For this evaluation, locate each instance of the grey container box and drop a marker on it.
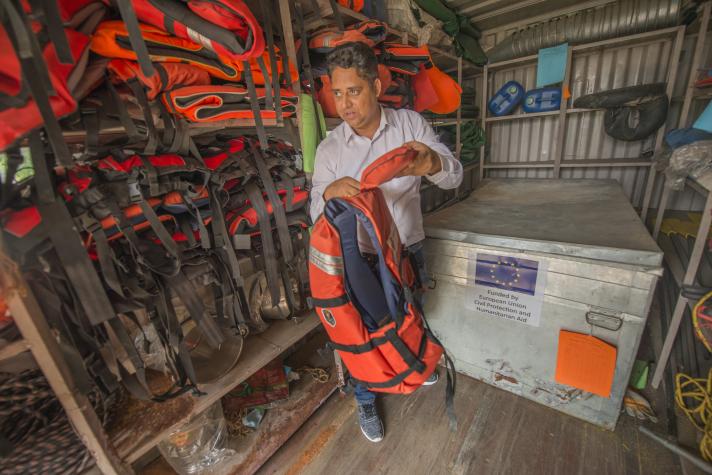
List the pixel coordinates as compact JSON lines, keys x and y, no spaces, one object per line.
{"x":599,"y":266}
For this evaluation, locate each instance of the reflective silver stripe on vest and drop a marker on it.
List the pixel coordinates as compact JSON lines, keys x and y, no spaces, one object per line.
{"x":332,"y":265}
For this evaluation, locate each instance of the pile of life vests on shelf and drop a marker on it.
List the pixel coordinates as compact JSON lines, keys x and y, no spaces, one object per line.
{"x":149,"y":248}
{"x":409,"y":79}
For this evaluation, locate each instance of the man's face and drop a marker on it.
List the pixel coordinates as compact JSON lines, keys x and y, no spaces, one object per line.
{"x":356,"y":99}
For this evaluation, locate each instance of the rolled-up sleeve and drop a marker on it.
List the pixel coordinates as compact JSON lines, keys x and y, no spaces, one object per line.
{"x":450,"y":176}
{"x":324,"y":175}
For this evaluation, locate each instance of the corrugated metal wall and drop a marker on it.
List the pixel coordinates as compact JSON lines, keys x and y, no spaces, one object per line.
{"x":532,"y":140}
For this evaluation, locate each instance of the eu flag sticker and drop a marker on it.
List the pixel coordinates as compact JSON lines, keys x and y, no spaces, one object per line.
{"x":507,"y":273}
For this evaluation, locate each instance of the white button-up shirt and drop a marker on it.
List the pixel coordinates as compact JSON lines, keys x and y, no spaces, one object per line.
{"x":344,"y":153}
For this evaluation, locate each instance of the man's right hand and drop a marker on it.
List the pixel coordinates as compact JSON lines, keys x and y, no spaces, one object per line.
{"x":342,"y":188}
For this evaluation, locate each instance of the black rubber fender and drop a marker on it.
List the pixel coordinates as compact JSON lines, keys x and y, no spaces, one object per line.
{"x":651,"y":115}
{"x":621,"y":96}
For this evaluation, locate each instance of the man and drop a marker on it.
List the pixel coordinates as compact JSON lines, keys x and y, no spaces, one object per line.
{"x":369,"y":131}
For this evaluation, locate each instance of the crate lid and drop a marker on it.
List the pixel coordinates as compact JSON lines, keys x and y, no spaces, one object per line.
{"x":583,"y":218}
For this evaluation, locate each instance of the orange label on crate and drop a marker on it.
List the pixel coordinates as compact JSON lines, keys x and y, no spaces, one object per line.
{"x":585,"y":362}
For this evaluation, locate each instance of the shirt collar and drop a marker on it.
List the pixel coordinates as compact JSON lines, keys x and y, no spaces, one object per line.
{"x":385,"y":120}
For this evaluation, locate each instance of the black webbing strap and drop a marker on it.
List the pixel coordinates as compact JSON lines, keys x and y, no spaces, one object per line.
{"x":194,"y":211}
{"x":268,"y":250}
{"x":185,"y":290}
{"x":255,"y":105}
{"x":103,"y":251}
{"x":449,"y":369}
{"x":53,"y":20}
{"x":306,"y":66}
{"x":66,"y":240}
{"x":165,"y":319}
{"x":112,"y":97}
{"x":140,"y":94}
{"x":286,"y":76}
{"x":90,"y":120}
{"x":337,"y":15}
{"x":415,"y":364}
{"x":332,"y":302}
{"x":34,"y":74}
{"x":280,"y":216}
{"x":274,"y":77}
{"x":269,"y":96}
{"x":224,"y":247}
{"x":170,"y":246}
{"x":135,"y":38}
{"x":169,"y":128}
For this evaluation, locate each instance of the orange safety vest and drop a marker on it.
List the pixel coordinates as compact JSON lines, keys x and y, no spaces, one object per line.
{"x":398,"y":353}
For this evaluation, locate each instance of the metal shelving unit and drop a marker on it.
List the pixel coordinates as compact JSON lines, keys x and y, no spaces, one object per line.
{"x":703,"y":186}
{"x":114,"y":451}
{"x":673,"y":34}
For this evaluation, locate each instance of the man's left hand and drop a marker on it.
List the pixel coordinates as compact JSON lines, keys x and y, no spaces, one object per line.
{"x":427,"y":162}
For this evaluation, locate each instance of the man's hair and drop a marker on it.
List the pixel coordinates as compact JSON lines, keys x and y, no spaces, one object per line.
{"x":354,"y":55}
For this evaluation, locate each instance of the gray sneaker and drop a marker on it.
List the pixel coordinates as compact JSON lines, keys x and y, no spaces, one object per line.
{"x":370,"y":423}
{"x":432,"y":379}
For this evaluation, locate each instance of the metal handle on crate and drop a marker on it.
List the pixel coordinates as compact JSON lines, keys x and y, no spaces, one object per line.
{"x":604,"y":320}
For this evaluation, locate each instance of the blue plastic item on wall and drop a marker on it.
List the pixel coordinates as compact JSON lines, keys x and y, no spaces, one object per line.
{"x":542,"y":100}
{"x":506,"y":99}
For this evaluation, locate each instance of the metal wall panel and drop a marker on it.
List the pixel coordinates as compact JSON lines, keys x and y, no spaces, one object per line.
{"x":532,"y":140}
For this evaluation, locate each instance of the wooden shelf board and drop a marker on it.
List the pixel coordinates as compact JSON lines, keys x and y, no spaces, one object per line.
{"x":141,"y":425}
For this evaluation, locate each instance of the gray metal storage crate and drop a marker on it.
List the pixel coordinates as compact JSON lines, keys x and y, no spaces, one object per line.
{"x":581,"y":260}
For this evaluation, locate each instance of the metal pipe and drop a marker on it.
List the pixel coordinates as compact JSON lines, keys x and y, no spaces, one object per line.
{"x":624,"y":17}
{"x":692,"y":458}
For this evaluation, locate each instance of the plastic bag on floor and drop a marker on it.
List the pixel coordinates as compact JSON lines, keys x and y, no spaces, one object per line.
{"x":200,"y":445}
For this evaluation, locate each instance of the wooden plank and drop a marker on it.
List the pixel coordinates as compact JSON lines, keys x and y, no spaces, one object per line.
{"x":483,"y":119}
{"x":30,"y":321}
{"x":140,"y":425}
{"x":285,"y":15}
{"x":13,"y":349}
{"x":560,"y":138}
{"x":682,"y":301}
{"x":696,"y":63}
{"x":279,"y":424}
{"x":498,"y":433}
{"x":671,"y":77}
{"x":532,"y":115}
{"x":538,"y":164}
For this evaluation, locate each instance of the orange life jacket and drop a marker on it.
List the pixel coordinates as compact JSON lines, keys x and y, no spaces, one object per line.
{"x":170,"y":76}
{"x":371,"y":317}
{"x":111,"y":40}
{"x":216,"y":102}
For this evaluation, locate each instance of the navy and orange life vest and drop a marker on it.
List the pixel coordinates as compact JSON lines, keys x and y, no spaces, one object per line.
{"x":369,"y":314}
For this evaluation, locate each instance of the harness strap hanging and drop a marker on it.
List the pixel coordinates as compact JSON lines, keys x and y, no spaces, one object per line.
{"x":104,"y":252}
{"x":90,"y":120}
{"x":280,"y":216}
{"x":184,"y":289}
{"x":268,"y":251}
{"x":72,"y":254}
{"x":112,"y":97}
{"x":140,"y":94}
{"x":337,"y":14}
{"x":135,"y":38}
{"x":269,"y":95}
{"x":35,"y":74}
{"x":49,"y":10}
{"x":254,"y":105}
{"x":273,"y":62}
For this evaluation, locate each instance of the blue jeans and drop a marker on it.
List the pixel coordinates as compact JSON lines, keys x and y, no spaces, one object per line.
{"x":361,"y":393}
